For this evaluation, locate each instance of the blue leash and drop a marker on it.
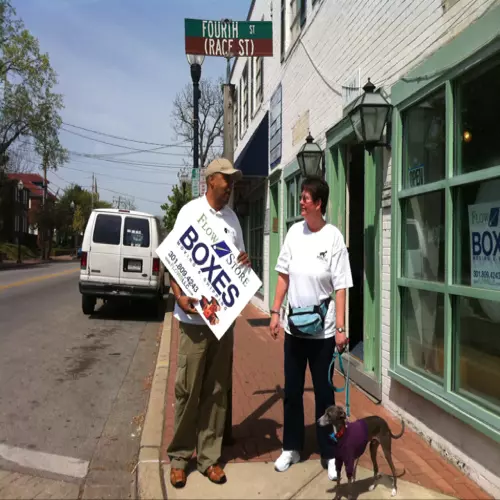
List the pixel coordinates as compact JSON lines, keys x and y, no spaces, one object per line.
{"x":331,"y":371}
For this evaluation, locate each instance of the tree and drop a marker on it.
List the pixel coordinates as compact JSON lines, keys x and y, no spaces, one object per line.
{"x":211,"y":118}
{"x":29,"y":108}
{"x":20,"y":161}
{"x":179,"y":197}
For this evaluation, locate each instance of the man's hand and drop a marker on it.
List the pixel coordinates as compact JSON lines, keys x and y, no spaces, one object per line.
{"x":244,"y":259}
{"x":187,"y":304}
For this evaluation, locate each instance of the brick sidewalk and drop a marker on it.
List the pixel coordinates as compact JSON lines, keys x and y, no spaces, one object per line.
{"x":258,"y":382}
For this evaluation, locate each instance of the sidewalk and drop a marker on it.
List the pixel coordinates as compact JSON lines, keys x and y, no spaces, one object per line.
{"x":12,"y":264}
{"x":257,"y":429}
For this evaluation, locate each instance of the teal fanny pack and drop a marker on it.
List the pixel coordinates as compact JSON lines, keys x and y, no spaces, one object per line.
{"x":308,"y":320}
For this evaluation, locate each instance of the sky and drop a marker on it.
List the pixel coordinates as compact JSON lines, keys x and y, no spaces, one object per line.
{"x":120,"y":64}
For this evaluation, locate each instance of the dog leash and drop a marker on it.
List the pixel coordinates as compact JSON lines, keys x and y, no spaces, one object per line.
{"x":331,"y":370}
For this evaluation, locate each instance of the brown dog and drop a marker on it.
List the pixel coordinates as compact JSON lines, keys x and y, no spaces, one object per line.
{"x":352,"y":440}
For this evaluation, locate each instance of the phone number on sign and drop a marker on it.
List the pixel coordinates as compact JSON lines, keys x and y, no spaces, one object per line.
{"x":182,"y":273}
{"x":492,"y":275}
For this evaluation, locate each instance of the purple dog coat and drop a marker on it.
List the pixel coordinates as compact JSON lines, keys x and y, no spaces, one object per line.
{"x":350,"y":446}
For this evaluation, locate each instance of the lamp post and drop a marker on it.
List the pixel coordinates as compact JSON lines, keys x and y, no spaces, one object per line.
{"x":20,"y":188}
{"x":72,"y":207}
{"x":310,"y":158}
{"x":195,"y":62}
{"x":369,"y":115}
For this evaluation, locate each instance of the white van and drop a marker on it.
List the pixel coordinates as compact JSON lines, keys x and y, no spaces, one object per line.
{"x":118,"y":258}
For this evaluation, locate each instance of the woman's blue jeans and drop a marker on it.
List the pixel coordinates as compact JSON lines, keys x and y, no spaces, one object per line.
{"x":318,"y":353}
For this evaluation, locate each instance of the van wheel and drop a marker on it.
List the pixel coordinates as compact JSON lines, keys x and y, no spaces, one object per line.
{"x":88,"y":304}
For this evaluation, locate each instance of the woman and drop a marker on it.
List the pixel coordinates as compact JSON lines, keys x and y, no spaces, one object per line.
{"x":313,"y":263}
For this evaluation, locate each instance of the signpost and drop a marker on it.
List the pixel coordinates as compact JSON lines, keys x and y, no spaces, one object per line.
{"x":221,"y":38}
{"x":195,"y":182}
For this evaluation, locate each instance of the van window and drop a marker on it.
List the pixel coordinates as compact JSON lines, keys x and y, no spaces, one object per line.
{"x":107,"y":229}
{"x":136,"y":232}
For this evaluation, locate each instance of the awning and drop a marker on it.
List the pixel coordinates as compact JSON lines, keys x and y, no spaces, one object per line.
{"x":253,"y":160}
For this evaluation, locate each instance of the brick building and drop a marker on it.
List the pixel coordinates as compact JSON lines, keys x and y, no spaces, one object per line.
{"x":420,"y":217}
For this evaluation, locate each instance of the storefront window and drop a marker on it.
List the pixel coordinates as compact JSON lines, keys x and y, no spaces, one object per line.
{"x":478,"y":126}
{"x":424,"y":134}
{"x":423,"y":331}
{"x":423,"y":237}
{"x":477,"y":353}
{"x":448,"y":263}
{"x":256,"y":236}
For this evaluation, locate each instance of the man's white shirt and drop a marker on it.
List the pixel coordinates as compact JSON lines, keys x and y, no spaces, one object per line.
{"x":233,"y":231}
{"x":317,"y":264}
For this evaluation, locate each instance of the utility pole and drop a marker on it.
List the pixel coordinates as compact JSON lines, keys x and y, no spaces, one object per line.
{"x":92,"y":192}
{"x":44,"y":204}
{"x":228,"y":153}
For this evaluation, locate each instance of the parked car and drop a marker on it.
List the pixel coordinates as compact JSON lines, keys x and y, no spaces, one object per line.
{"x":118,"y":258}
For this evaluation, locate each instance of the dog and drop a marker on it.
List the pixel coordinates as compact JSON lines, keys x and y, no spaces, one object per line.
{"x":352,"y":440}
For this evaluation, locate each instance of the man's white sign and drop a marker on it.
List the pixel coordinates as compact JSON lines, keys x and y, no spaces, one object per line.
{"x":205,"y":266}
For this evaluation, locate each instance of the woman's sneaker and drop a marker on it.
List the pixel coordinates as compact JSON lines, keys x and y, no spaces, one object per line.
{"x":332,"y":470}
{"x":286,"y":459}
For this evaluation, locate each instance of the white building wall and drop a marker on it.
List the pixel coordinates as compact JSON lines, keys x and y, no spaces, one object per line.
{"x":383,"y":40}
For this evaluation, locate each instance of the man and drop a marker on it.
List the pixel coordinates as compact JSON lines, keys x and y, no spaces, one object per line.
{"x":203,"y":363}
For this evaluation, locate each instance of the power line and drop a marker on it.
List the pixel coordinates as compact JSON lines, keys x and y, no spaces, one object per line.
{"x":179,"y":144}
{"x":129,"y":162}
{"x":133,"y":150}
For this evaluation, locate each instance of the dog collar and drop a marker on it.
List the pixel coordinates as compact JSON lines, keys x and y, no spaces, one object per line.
{"x":336,"y":436}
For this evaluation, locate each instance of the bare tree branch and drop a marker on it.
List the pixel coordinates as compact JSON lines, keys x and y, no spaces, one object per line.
{"x":211,"y":119}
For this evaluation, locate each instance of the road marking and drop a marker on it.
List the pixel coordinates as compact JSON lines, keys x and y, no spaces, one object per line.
{"x":38,"y":278}
{"x":58,"y":464}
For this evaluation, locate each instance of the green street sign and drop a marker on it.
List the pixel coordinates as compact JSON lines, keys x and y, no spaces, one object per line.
{"x":224,"y":38}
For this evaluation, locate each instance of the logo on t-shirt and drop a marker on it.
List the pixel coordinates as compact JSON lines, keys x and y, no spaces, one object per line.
{"x":322,"y":255}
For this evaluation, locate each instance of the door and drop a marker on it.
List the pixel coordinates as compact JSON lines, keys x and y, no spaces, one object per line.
{"x":355,"y":242}
{"x":274,"y":240}
{"x":136,"y":262}
{"x":104,"y":255}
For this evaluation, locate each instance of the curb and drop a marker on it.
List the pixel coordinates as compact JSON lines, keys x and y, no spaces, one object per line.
{"x":149,"y":478}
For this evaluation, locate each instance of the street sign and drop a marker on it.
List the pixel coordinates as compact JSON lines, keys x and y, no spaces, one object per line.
{"x":203,"y":182}
{"x":195,"y":182}
{"x":221,"y":38}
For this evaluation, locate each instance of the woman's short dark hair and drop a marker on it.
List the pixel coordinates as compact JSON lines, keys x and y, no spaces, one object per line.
{"x":318,"y":189}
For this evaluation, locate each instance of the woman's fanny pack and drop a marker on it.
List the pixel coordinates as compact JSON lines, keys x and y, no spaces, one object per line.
{"x":308,"y":320}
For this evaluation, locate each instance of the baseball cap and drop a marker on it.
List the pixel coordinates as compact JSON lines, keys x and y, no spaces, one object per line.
{"x":223,"y":166}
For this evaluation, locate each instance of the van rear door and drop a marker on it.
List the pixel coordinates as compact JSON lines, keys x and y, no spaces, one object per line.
{"x":104,"y":255}
{"x":136,"y":259}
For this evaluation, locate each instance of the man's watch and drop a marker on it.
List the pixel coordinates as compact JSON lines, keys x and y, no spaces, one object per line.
{"x":340,"y":330}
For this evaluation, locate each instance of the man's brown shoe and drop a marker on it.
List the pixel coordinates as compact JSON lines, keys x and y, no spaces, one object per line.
{"x":216,"y":474}
{"x":178,"y":478}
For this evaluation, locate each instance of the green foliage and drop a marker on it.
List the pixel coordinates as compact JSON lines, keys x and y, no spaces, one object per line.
{"x":10,"y":250}
{"x":29,"y":107}
{"x":179,"y":197}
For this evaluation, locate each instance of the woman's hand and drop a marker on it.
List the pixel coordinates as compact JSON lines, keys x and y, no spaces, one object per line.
{"x":274,"y":327}
{"x":341,"y":341}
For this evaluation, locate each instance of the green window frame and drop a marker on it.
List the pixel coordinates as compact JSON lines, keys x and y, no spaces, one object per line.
{"x":292,"y":203}
{"x":471,"y":51}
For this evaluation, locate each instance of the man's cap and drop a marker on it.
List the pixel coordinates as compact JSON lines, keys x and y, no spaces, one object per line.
{"x":223,"y":166}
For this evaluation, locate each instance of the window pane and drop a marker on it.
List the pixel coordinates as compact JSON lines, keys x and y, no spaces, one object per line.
{"x":107,"y":229}
{"x":478,"y":127}
{"x":477,"y":235}
{"x":477,"y":355}
{"x":422,"y":335}
{"x":291,"y":199}
{"x":136,"y":232}
{"x":423,"y":237}
{"x":424,"y":135}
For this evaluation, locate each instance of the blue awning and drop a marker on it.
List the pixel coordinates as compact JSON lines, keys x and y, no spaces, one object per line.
{"x":253,"y":160}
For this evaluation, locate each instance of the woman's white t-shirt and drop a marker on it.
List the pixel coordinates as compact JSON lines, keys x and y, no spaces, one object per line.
{"x":317,"y":264}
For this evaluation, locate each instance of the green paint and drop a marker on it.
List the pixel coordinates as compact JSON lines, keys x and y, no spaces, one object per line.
{"x":274,"y":240}
{"x":291,"y":169}
{"x":232,"y":30}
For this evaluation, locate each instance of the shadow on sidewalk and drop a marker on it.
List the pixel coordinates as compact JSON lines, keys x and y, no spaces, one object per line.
{"x":257,"y":435}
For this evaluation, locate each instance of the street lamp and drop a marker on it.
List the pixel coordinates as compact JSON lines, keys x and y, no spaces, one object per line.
{"x":72,"y":208}
{"x":310,"y":158}
{"x":20,"y":187}
{"x":369,"y":115}
{"x":195,"y":62}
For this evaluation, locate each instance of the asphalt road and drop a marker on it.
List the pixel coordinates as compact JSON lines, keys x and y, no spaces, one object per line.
{"x":73,"y":388}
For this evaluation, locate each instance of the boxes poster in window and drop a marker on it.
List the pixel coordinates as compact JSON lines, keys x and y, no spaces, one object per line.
{"x":204,"y":264}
